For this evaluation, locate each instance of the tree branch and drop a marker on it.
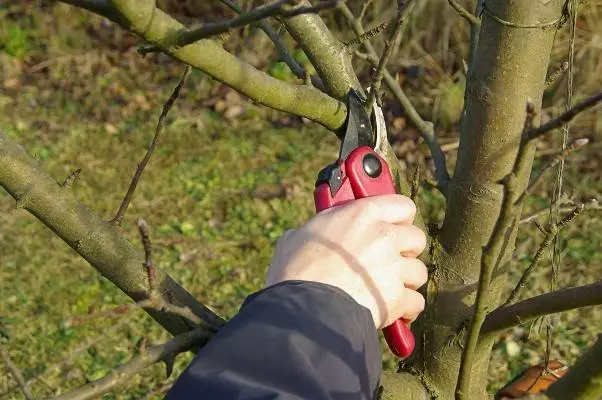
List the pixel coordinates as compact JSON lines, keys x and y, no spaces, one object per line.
{"x":425,"y":129}
{"x":492,"y":255}
{"x":553,"y":77}
{"x":96,"y":240}
{"x":565,"y":117}
{"x":550,"y":303}
{"x":278,"y":8}
{"x":140,"y":168}
{"x":583,"y":381}
{"x":281,"y":48}
{"x":551,"y":233}
{"x":591,"y":205}
{"x":464,"y":13}
{"x":208,"y":29}
{"x":558,"y":157}
{"x":160,"y":30}
{"x":326,"y":53}
{"x":384,"y":58}
{"x":144,"y":231}
{"x":15,"y":372}
{"x":100,"y":7}
{"x":148,"y":356}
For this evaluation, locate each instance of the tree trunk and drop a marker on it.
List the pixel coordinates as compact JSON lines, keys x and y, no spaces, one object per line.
{"x":510,"y":69}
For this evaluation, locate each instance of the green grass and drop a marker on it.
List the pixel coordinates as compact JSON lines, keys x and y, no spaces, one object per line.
{"x":210,"y":231}
{"x":208,"y":195}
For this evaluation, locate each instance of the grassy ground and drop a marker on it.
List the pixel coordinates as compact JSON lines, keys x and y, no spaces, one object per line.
{"x":223,"y":185}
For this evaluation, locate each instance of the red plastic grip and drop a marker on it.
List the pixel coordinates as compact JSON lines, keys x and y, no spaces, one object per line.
{"x":356,"y":184}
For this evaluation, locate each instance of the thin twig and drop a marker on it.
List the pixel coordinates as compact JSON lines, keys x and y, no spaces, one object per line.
{"x":205,"y":30}
{"x":592,"y":205}
{"x":100,"y":7}
{"x":16,"y":373}
{"x":70,"y":180}
{"x":147,"y":357}
{"x":545,"y":304}
{"x":166,"y":107}
{"x":368,"y":35}
{"x":277,"y":8}
{"x":565,"y":117}
{"x":561,"y":155}
{"x":384,"y":58}
{"x":280,"y":46}
{"x":425,"y":128}
{"x":464,"y":13}
{"x":553,"y":77}
{"x":365,"y":7}
{"x":148,"y":255}
{"x":551,"y":233}
{"x":475,"y":31}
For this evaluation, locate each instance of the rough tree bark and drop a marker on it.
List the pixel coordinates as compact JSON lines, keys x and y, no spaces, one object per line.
{"x":510,"y":69}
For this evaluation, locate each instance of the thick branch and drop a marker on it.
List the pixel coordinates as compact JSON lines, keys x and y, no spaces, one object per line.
{"x":464,"y":13}
{"x":148,"y":356}
{"x":149,"y":152}
{"x":493,"y":254}
{"x":326,"y":53}
{"x":160,"y":29}
{"x":545,"y":304}
{"x":96,"y":240}
{"x":583,"y":381}
{"x":565,"y":117}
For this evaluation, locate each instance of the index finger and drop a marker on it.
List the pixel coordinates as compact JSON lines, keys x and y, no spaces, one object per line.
{"x":391,"y":208}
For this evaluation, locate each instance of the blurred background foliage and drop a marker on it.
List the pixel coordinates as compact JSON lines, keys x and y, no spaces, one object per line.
{"x":229,"y":176}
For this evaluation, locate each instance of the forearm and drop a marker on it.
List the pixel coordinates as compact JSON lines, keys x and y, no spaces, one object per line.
{"x":296,"y":339}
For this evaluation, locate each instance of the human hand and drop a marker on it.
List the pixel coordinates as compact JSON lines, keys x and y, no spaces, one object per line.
{"x":367,"y":248}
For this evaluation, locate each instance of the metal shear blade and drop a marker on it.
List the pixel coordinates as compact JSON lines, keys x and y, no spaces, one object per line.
{"x":359,"y":130}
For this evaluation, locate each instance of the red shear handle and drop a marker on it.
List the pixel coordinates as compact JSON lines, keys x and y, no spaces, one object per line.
{"x":366,"y":174}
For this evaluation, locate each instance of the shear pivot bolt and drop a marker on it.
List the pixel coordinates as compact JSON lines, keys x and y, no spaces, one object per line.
{"x":372,"y":165}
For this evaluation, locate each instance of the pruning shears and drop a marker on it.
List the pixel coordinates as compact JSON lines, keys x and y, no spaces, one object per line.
{"x":361,"y":172}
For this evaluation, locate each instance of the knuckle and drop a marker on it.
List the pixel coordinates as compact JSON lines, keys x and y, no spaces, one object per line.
{"x":419,"y":238}
{"x":422,"y":273}
{"x":421,"y":302}
{"x":364,"y":211}
{"x":406,"y":202}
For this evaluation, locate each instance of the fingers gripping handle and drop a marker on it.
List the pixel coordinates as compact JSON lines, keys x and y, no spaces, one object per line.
{"x":364,"y":173}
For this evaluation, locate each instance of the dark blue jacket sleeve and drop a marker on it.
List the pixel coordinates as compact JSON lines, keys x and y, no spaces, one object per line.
{"x":293,"y":340}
